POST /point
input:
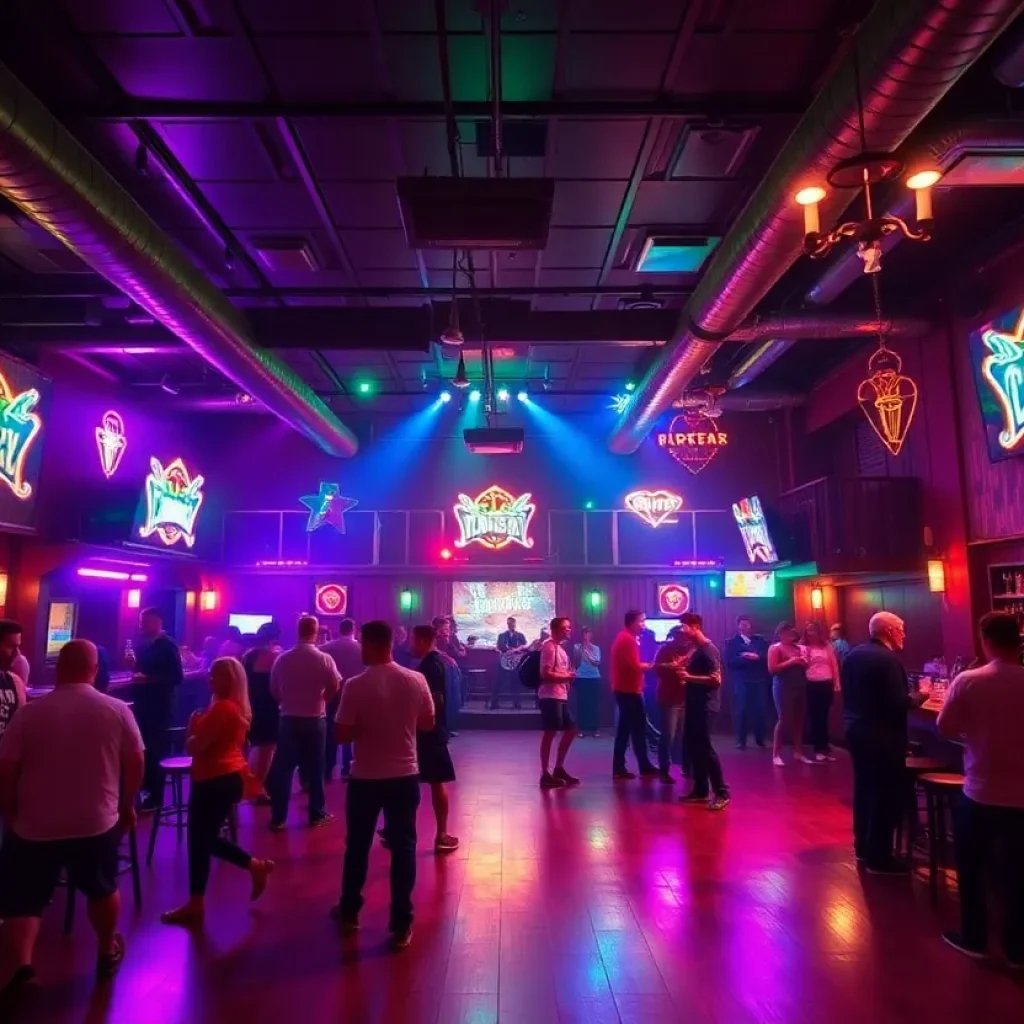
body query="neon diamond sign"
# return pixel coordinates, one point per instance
(654, 507)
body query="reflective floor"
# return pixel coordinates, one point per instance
(602, 904)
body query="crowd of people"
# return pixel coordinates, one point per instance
(76, 766)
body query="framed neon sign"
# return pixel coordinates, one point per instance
(693, 439)
(749, 516)
(111, 442)
(494, 519)
(329, 505)
(997, 353)
(331, 599)
(673, 598)
(655, 508)
(173, 499)
(19, 427)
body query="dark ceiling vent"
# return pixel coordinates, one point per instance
(286, 255)
(711, 151)
(519, 139)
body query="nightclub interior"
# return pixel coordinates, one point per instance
(393, 310)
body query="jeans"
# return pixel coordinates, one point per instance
(671, 726)
(300, 744)
(749, 696)
(978, 829)
(208, 805)
(366, 799)
(819, 702)
(154, 713)
(588, 695)
(330, 741)
(707, 769)
(632, 727)
(879, 795)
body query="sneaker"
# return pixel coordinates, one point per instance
(719, 803)
(347, 922)
(446, 844)
(324, 819)
(803, 759)
(667, 778)
(761, 745)
(110, 963)
(892, 867)
(400, 940)
(778, 762)
(278, 826)
(623, 775)
(563, 776)
(548, 781)
(694, 798)
(955, 939)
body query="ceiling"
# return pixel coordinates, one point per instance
(267, 140)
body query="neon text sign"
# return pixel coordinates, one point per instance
(654, 507)
(494, 519)
(111, 442)
(749, 516)
(693, 440)
(173, 500)
(19, 427)
(1003, 372)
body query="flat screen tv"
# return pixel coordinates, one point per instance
(661, 627)
(248, 623)
(997, 358)
(481, 609)
(749, 583)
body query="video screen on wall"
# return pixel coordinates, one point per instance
(749, 583)
(997, 358)
(481, 609)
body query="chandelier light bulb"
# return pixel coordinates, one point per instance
(923, 179)
(810, 196)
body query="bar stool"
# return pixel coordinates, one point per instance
(476, 684)
(174, 770)
(176, 740)
(125, 862)
(909, 821)
(940, 788)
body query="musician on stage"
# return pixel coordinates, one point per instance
(510, 644)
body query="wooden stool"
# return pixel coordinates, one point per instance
(939, 790)
(909, 821)
(174, 770)
(125, 862)
(176, 740)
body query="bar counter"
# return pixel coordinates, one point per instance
(924, 730)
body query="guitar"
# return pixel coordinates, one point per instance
(510, 660)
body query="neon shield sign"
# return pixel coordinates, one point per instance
(494, 519)
(173, 500)
(19, 427)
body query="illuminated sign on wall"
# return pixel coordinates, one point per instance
(654, 507)
(329, 506)
(19, 427)
(331, 599)
(673, 599)
(757, 540)
(494, 519)
(173, 499)
(1003, 371)
(888, 398)
(749, 583)
(111, 442)
(693, 440)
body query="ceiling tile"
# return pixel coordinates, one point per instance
(342, 149)
(587, 203)
(219, 150)
(385, 250)
(595, 149)
(274, 205)
(683, 203)
(324, 68)
(271, 16)
(616, 64)
(576, 247)
(123, 17)
(362, 204)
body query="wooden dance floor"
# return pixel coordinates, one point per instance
(603, 904)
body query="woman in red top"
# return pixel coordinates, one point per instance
(220, 777)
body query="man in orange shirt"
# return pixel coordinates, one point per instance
(627, 672)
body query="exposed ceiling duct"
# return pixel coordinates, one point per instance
(51, 178)
(756, 362)
(910, 53)
(992, 138)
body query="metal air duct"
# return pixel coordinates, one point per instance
(911, 52)
(52, 178)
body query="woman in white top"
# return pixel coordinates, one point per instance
(822, 685)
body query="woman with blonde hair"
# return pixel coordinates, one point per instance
(220, 778)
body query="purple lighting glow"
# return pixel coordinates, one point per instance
(112, 574)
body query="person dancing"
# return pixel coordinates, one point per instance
(219, 779)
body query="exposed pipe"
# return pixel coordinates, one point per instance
(942, 153)
(756, 362)
(51, 178)
(746, 401)
(910, 53)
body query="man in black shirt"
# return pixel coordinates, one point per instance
(510, 640)
(703, 680)
(875, 704)
(746, 657)
(157, 675)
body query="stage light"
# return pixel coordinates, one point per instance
(523, 396)
(594, 600)
(713, 582)
(474, 395)
(588, 505)
(502, 394)
(405, 600)
(817, 599)
(364, 387)
(446, 396)
(630, 385)
(208, 600)
(134, 598)
(446, 554)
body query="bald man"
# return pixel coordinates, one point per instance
(876, 699)
(70, 770)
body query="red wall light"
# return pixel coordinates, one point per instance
(208, 600)
(446, 554)
(134, 598)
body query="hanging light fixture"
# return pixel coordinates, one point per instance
(461, 379)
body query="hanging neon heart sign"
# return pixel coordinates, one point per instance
(693, 440)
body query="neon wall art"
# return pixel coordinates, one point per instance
(693, 440)
(888, 398)
(673, 598)
(330, 599)
(19, 427)
(749, 516)
(998, 357)
(494, 519)
(329, 505)
(173, 500)
(655, 508)
(111, 442)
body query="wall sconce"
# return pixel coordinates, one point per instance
(3, 589)
(405, 600)
(817, 598)
(594, 600)
(190, 599)
(134, 598)
(208, 600)
(936, 576)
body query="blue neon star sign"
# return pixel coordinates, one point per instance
(329, 506)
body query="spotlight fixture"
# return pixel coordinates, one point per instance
(446, 396)
(619, 402)
(630, 385)
(588, 505)
(523, 396)
(502, 394)
(446, 554)
(364, 387)
(461, 378)
(474, 395)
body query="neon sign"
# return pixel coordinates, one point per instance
(1003, 371)
(19, 426)
(331, 599)
(111, 442)
(494, 519)
(173, 499)
(693, 439)
(673, 598)
(328, 506)
(654, 507)
(757, 540)
(887, 398)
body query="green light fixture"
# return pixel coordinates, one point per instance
(588, 505)
(405, 600)
(594, 600)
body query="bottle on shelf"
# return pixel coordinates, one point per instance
(129, 654)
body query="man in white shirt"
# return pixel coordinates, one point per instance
(71, 766)
(347, 655)
(985, 710)
(380, 712)
(303, 681)
(553, 700)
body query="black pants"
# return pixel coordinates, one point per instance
(331, 742)
(300, 744)
(505, 682)
(749, 698)
(879, 795)
(819, 703)
(707, 769)
(208, 805)
(979, 830)
(398, 799)
(154, 713)
(632, 727)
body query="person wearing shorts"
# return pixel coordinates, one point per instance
(71, 767)
(553, 702)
